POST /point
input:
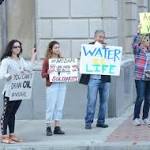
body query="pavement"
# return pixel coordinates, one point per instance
(121, 135)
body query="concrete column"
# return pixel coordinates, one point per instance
(3, 25)
(21, 23)
(121, 23)
(0, 30)
(143, 5)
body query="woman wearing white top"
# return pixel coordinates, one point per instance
(11, 63)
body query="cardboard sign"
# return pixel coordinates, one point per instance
(63, 70)
(21, 86)
(96, 59)
(145, 23)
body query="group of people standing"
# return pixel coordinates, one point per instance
(55, 92)
(12, 62)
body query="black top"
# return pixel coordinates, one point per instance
(86, 77)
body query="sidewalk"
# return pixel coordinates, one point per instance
(121, 135)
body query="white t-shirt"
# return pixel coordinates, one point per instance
(9, 67)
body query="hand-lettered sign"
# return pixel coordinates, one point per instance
(145, 23)
(63, 70)
(21, 86)
(96, 59)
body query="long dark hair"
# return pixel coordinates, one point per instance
(49, 52)
(9, 47)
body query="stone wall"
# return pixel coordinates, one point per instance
(73, 22)
(20, 23)
(0, 30)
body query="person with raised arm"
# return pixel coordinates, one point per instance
(12, 62)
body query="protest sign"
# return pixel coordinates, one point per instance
(96, 59)
(145, 23)
(21, 86)
(63, 70)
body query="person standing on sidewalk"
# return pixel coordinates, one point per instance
(55, 92)
(96, 83)
(11, 63)
(141, 50)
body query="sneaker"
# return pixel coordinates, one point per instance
(137, 122)
(146, 121)
(102, 125)
(49, 131)
(88, 126)
(58, 130)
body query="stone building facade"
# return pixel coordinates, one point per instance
(71, 22)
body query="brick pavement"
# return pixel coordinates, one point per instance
(127, 132)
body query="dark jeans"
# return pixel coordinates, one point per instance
(8, 115)
(143, 94)
(94, 87)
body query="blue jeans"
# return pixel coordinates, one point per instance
(95, 86)
(143, 94)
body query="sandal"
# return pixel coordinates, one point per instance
(15, 139)
(7, 140)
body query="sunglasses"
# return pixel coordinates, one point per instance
(16, 47)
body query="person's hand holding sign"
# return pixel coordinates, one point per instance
(51, 69)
